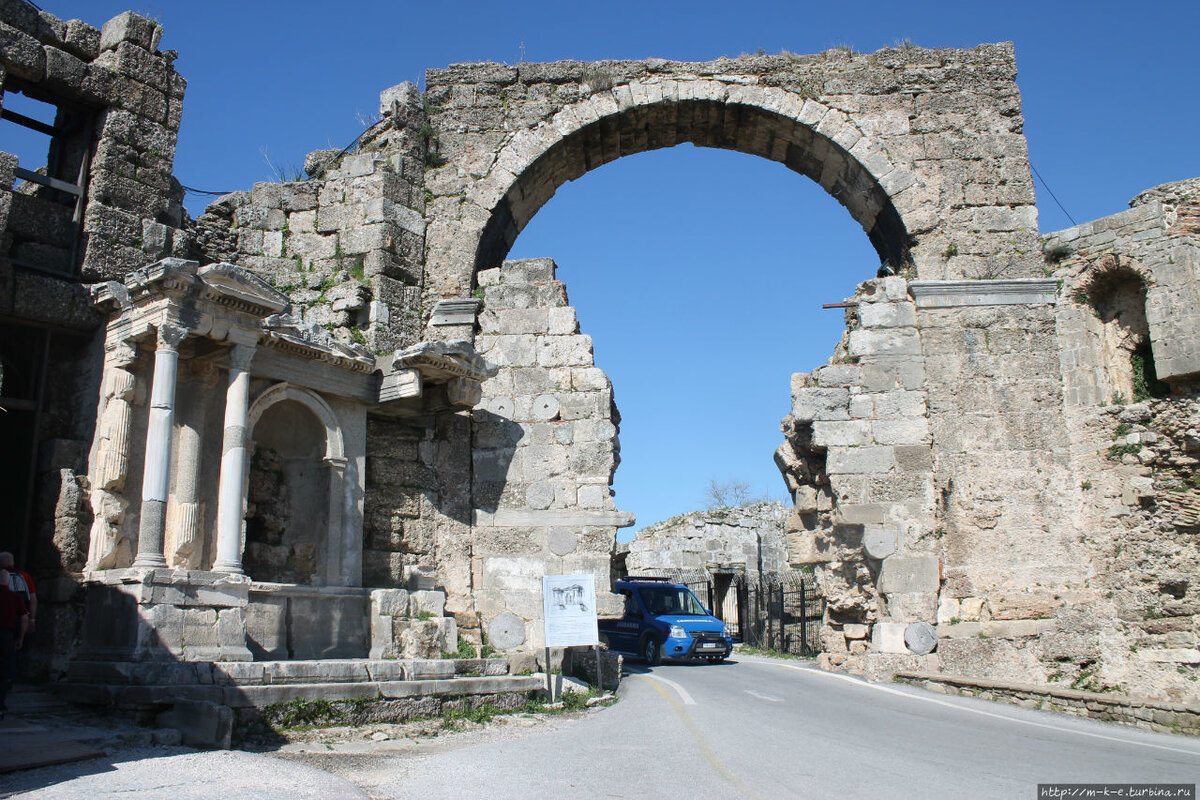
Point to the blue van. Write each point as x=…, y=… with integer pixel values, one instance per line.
x=664, y=620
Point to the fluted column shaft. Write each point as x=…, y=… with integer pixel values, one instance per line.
x=156, y=475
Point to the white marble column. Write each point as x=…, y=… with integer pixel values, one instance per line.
x=156, y=476
x=231, y=496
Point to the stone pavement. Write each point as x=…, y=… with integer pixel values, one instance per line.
x=49, y=748
x=41, y=730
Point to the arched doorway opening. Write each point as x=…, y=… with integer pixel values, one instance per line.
x=286, y=517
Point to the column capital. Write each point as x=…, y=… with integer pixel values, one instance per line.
x=241, y=354
x=120, y=353
x=170, y=336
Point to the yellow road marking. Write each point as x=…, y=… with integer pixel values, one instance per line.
x=709, y=754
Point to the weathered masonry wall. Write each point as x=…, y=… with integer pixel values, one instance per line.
x=544, y=442
x=114, y=111
x=858, y=460
x=1059, y=543
x=1126, y=324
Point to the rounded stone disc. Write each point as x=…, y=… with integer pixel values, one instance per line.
x=921, y=638
x=545, y=407
x=879, y=542
x=562, y=541
x=501, y=407
x=539, y=495
x=506, y=631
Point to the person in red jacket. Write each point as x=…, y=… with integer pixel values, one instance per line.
x=14, y=617
x=20, y=582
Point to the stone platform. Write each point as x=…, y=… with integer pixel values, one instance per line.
x=260, y=683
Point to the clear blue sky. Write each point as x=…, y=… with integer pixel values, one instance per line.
x=699, y=273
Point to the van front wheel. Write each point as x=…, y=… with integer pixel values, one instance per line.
x=651, y=651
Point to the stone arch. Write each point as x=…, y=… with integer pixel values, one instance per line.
x=334, y=446
x=1115, y=288
x=802, y=133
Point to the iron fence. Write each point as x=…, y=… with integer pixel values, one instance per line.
x=782, y=615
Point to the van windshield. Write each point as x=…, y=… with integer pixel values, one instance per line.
x=676, y=600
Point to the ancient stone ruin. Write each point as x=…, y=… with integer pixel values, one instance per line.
x=327, y=419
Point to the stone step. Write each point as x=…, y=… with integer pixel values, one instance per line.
x=275, y=673
x=131, y=696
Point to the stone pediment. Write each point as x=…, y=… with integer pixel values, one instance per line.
x=454, y=364
x=287, y=332
x=227, y=282
x=176, y=274
x=223, y=284
x=440, y=362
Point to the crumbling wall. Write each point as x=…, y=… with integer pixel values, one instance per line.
x=544, y=448
x=347, y=243
x=117, y=103
x=857, y=457
x=1006, y=487
x=745, y=539
x=134, y=98
x=1134, y=447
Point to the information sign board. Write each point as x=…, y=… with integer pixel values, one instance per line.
x=569, y=606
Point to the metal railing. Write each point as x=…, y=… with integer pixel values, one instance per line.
x=781, y=615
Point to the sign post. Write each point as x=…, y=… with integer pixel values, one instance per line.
x=569, y=615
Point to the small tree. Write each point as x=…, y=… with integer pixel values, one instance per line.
x=726, y=494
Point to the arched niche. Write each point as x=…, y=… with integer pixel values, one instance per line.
x=295, y=488
x=1115, y=289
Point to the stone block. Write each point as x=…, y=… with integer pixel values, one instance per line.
x=820, y=404
x=889, y=342
x=64, y=72
x=1189, y=655
x=948, y=611
x=810, y=547
x=972, y=608
x=888, y=637
x=860, y=461
x=855, y=631
x=82, y=39
x=200, y=724
x=429, y=602
x=389, y=602
x=23, y=54
x=844, y=433
x=904, y=574
x=912, y=605
x=835, y=375
x=959, y=630
x=887, y=315
x=130, y=27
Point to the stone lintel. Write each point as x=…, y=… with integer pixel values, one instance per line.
x=522, y=518
x=952, y=294
x=455, y=312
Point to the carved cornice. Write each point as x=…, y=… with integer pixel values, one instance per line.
x=953, y=294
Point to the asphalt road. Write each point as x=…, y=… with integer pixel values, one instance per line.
x=749, y=728
x=772, y=729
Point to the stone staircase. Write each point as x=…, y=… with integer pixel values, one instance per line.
x=246, y=684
